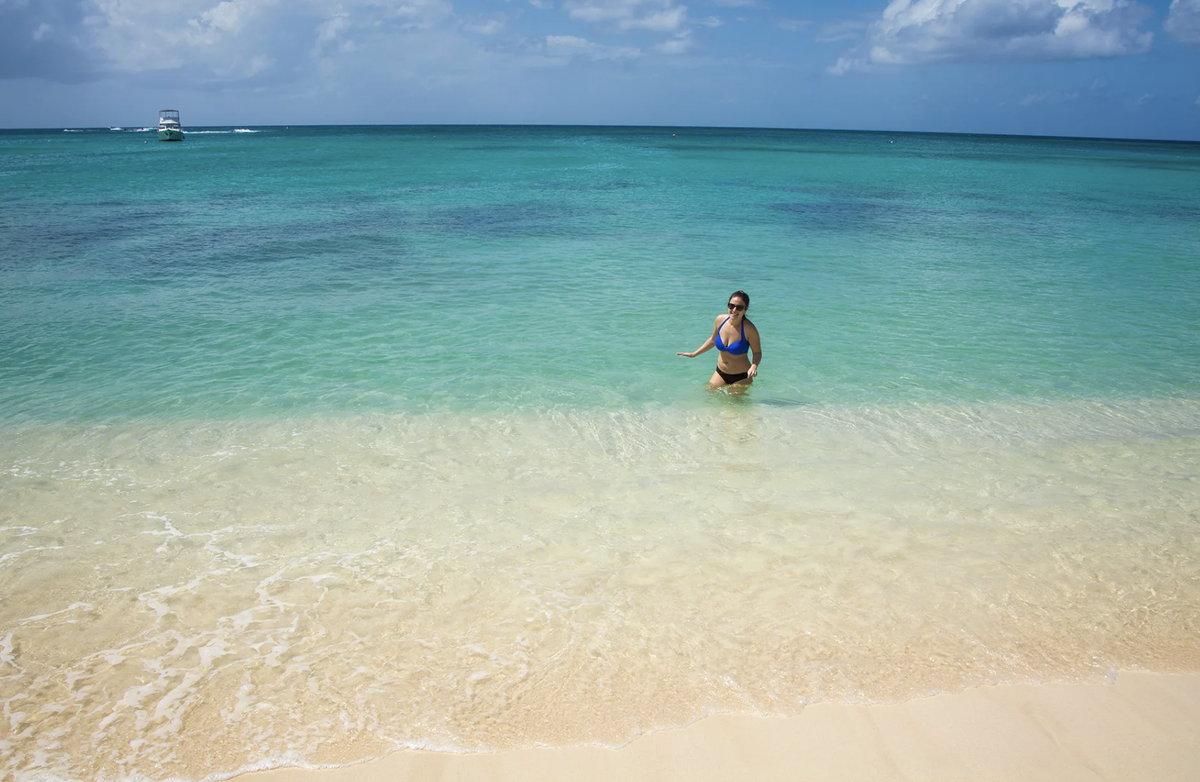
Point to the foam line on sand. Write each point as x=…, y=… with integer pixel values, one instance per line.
x=1144, y=726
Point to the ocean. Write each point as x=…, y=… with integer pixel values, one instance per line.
x=317, y=443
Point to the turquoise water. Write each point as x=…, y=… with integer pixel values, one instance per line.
x=332, y=270
x=322, y=443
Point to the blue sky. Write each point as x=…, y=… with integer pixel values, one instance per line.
x=1117, y=68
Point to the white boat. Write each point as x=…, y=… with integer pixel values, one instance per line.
x=169, y=128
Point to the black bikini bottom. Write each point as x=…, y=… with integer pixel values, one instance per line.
x=735, y=377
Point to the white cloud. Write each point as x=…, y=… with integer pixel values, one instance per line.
x=842, y=31
x=237, y=39
x=922, y=31
x=663, y=16
x=663, y=21
x=677, y=44
x=567, y=47
x=212, y=43
x=842, y=66
x=485, y=27
x=329, y=31
x=398, y=14
x=222, y=16
x=259, y=62
x=657, y=15
x=1183, y=21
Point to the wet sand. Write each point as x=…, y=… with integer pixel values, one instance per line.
x=1143, y=726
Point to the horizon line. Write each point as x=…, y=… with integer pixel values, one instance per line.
x=631, y=126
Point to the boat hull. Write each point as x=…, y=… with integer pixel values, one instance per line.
x=170, y=134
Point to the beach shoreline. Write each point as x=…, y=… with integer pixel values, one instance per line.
x=1142, y=726
x=316, y=464
x=234, y=596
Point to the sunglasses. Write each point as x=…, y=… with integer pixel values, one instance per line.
x=738, y=307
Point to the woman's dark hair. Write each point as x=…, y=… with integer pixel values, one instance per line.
x=741, y=295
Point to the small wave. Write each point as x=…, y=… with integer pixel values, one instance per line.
x=245, y=130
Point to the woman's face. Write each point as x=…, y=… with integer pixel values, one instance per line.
x=737, y=307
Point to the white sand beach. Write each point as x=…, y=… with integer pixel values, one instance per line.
x=1144, y=726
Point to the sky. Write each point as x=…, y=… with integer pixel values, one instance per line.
x=1104, y=68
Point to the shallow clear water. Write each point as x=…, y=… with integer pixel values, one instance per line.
x=323, y=442
x=321, y=271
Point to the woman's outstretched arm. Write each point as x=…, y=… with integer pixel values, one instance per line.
x=709, y=344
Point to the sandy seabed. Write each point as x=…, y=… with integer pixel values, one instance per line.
x=1143, y=726
x=194, y=601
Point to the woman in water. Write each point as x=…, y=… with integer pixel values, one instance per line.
x=733, y=337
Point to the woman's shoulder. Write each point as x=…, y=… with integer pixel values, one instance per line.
x=750, y=325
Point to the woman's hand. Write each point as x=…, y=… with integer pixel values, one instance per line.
x=752, y=371
x=708, y=344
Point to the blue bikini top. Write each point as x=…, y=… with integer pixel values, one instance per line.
x=737, y=348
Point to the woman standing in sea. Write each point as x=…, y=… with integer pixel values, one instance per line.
x=734, y=337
